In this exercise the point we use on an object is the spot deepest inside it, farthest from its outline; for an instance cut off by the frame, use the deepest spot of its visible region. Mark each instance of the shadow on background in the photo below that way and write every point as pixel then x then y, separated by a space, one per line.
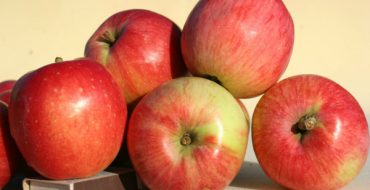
pixel 251 176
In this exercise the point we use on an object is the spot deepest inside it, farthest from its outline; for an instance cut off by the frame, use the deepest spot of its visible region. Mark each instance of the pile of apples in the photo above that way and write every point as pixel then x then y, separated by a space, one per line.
pixel 174 104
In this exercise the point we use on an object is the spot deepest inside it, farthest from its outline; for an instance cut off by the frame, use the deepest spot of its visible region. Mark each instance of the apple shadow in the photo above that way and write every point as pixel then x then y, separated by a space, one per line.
pixel 251 176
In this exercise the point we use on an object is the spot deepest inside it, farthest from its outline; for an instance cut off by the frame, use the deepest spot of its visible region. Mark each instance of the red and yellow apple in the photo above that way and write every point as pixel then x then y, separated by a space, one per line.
pixel 68 119
pixel 243 45
pixel 189 133
pixel 140 48
pixel 308 133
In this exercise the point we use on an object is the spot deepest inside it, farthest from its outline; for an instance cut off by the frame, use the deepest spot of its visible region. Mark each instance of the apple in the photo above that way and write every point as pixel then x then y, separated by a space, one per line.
pixel 308 132
pixel 140 48
pixel 243 45
pixel 9 154
pixel 19 165
pixel 189 133
pixel 5 90
pixel 68 119
pixel 6 85
pixel 5 96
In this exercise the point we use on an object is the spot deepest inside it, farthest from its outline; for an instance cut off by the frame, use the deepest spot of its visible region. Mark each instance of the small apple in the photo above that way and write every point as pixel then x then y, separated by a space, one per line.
pixel 5 90
pixel 140 48
pixel 243 45
pixel 6 85
pixel 68 119
pixel 308 132
pixel 189 133
pixel 9 155
pixel 5 96
pixel 21 165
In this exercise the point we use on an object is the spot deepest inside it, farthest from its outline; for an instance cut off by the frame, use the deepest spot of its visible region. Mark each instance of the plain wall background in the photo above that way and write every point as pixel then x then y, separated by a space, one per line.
pixel 332 37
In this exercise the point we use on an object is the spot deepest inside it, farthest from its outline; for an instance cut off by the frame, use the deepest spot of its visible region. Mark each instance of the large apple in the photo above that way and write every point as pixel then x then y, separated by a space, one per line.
pixel 308 132
pixel 140 48
pixel 9 155
pixel 243 45
pixel 68 119
pixel 189 133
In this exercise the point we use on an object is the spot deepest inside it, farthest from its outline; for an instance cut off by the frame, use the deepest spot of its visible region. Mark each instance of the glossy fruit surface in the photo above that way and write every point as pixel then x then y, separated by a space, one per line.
pixel 9 155
pixel 140 48
pixel 243 45
pixel 68 119
pixel 189 133
pixel 310 133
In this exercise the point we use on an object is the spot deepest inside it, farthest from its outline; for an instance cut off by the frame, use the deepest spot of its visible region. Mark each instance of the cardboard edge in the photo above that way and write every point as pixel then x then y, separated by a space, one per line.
pixel 28 183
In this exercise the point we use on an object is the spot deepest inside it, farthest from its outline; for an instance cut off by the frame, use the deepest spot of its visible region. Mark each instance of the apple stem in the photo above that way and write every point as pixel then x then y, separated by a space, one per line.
pixel 58 59
pixel 186 140
pixel 108 37
pixel 307 123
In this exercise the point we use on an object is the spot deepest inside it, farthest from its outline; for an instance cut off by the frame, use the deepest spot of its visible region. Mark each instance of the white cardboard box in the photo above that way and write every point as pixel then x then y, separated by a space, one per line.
pixel 117 179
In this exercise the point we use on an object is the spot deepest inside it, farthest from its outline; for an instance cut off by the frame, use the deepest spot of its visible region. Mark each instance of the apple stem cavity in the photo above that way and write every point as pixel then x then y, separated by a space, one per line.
pixel 212 78
pixel 58 60
pixel 186 139
pixel 108 37
pixel 307 123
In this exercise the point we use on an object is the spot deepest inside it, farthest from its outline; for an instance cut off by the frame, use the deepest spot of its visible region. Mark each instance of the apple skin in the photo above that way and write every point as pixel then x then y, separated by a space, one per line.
pixel 68 119
pixel 5 96
pixel 5 90
pixel 192 106
pixel 140 48
pixel 6 85
pixel 329 155
pixel 6 166
pixel 17 161
pixel 9 154
pixel 243 45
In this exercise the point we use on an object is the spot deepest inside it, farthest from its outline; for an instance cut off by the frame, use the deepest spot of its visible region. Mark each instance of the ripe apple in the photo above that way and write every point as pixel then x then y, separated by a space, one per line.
pixel 308 132
pixel 68 119
pixel 5 96
pixel 243 45
pixel 140 48
pixel 189 133
pixel 6 85
pixel 5 90
pixel 9 155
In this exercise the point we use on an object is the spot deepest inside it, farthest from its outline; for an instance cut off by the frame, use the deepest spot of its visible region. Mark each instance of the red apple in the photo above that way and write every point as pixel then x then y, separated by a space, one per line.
pixel 189 133
pixel 5 90
pixel 5 96
pixel 140 48
pixel 308 132
pixel 68 119
pixel 243 45
pixel 6 85
pixel 9 154
pixel 17 161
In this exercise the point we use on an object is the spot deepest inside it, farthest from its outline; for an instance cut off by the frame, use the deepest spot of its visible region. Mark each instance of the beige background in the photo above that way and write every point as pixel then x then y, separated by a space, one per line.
pixel 332 37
